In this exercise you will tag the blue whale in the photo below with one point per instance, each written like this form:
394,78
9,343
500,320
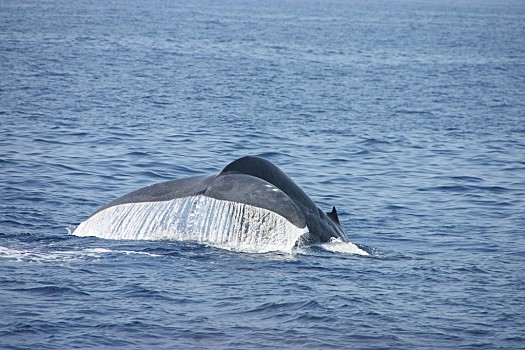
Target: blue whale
251,205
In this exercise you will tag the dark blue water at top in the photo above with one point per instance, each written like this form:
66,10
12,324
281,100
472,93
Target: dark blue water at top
409,116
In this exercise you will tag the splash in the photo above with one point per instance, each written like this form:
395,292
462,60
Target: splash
230,225
336,245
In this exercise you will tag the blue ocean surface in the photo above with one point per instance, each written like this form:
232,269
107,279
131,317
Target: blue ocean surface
408,116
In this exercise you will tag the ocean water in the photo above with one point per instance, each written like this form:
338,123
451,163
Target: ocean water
408,116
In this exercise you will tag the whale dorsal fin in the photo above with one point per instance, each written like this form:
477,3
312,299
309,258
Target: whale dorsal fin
333,215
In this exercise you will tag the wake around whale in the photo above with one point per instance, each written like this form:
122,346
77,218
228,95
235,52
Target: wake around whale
250,206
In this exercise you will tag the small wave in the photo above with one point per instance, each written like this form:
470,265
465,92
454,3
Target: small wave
272,307
467,178
464,189
51,291
373,142
140,291
31,237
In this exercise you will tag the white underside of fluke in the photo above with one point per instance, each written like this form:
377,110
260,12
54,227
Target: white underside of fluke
230,225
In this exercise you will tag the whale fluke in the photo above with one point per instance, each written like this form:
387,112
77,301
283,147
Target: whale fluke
251,205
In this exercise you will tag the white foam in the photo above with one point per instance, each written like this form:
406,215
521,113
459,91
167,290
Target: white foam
35,256
10,253
336,245
67,255
100,251
229,225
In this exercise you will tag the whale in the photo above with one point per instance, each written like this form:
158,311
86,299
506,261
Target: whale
251,205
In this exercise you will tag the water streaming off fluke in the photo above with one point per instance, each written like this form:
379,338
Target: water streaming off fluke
229,225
